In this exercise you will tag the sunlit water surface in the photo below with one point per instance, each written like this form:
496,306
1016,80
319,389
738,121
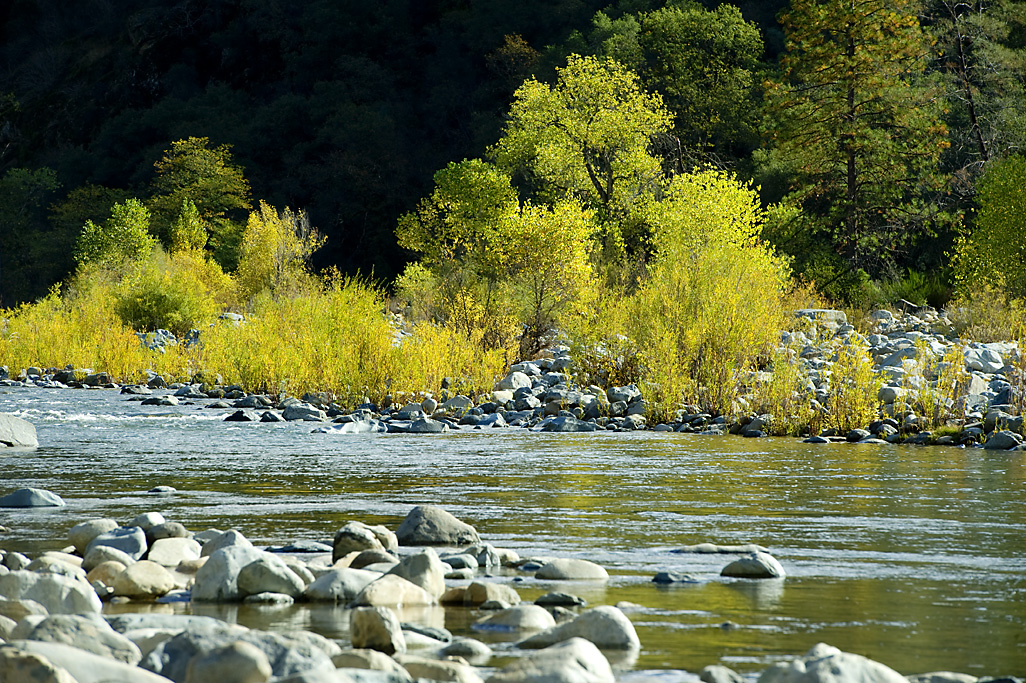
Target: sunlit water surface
915,557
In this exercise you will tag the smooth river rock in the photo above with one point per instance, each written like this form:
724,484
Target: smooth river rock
525,617
59,594
31,498
430,525
423,569
83,533
89,633
754,566
131,540
568,569
87,667
605,626
17,433
827,664
339,585
575,660
376,628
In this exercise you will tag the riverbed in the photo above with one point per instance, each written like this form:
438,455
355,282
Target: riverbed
913,556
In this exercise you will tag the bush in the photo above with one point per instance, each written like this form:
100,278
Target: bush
177,293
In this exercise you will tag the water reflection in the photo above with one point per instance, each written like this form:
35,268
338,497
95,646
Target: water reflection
912,556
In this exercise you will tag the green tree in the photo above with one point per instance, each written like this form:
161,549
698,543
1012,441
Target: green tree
208,177
187,231
993,252
589,137
981,51
32,255
854,121
703,62
121,242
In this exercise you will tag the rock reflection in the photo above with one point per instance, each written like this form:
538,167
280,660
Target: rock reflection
764,594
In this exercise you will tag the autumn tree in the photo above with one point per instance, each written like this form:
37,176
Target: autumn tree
589,137
121,242
275,251
854,122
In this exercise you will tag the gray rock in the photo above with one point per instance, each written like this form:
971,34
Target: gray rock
430,525
568,424
86,667
423,569
514,380
89,633
303,411
223,539
494,420
527,617
147,520
673,577
57,593
81,534
888,394
31,498
269,574
605,626
558,599
218,579
575,660
21,665
130,540
717,673
391,590
714,549
1002,441
237,662
474,651
144,580
376,628
17,433
942,677
755,566
826,664
354,537
339,585
457,405
99,554
425,425
567,569
171,552
286,656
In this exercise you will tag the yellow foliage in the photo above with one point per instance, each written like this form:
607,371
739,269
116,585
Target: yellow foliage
275,250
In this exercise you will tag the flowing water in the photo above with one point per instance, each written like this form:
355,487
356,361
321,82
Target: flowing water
915,557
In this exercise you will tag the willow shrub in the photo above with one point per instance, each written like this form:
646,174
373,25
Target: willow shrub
704,323
80,329
852,401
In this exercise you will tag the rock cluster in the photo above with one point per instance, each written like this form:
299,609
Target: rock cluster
52,629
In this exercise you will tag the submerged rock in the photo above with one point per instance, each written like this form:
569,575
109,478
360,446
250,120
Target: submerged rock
827,664
31,498
755,566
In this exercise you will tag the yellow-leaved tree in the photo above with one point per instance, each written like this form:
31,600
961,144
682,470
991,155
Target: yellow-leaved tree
275,251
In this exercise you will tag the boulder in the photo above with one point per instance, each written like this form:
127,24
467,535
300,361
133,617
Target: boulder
89,633
58,594
372,660
81,534
105,553
31,498
480,592
269,574
942,677
430,525
106,572
566,569
218,579
755,566
520,618
147,520
513,381
20,665
171,552
236,662
568,423
423,569
572,661
1002,441
130,540
17,610
144,580
717,673
286,656
86,667
303,411
224,539
339,585
354,537
474,651
438,670
605,626
827,664
17,433
376,628
425,425
391,590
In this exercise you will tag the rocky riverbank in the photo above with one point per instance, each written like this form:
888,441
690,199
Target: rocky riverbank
973,391
54,628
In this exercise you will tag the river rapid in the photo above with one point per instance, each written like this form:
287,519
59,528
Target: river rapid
913,556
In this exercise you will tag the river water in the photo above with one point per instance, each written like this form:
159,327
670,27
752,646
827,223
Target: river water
915,557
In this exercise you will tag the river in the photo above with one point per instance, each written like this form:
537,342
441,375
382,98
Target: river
912,556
